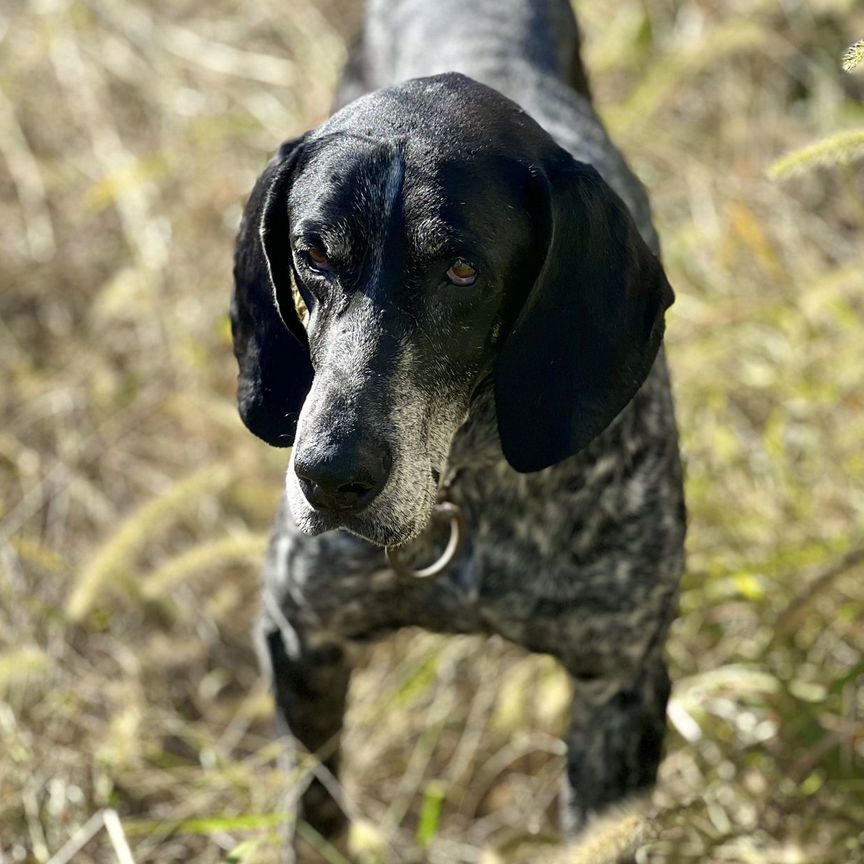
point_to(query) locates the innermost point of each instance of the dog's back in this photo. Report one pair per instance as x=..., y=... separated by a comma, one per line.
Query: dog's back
x=488, y=40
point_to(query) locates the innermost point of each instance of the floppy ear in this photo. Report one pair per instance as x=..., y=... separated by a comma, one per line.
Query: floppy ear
x=589, y=329
x=270, y=343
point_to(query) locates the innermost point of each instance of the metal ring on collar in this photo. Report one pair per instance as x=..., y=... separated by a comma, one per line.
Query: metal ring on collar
x=441, y=512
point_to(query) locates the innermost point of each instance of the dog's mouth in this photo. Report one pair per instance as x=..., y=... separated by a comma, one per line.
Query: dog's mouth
x=398, y=515
x=388, y=537
x=313, y=522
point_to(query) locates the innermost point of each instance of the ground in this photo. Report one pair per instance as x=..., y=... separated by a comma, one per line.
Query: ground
x=134, y=507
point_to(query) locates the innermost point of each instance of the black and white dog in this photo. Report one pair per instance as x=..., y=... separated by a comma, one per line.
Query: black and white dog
x=450, y=290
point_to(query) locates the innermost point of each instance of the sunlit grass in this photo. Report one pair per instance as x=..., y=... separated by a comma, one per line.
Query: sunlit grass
x=134, y=506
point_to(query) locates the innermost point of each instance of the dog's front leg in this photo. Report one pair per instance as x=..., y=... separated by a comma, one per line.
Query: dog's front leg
x=324, y=596
x=615, y=741
x=310, y=682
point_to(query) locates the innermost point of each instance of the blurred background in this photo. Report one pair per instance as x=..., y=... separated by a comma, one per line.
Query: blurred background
x=134, y=508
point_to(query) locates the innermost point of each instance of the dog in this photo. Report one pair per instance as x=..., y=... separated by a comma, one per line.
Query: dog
x=452, y=291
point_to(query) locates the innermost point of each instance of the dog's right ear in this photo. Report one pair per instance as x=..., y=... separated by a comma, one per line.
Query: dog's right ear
x=270, y=343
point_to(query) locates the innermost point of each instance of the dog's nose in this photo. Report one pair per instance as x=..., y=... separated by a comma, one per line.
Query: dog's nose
x=345, y=482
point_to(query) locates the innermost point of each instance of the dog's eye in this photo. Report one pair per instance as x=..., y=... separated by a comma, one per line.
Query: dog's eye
x=318, y=260
x=462, y=273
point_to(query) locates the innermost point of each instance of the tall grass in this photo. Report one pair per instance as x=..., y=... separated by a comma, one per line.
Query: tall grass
x=134, y=506
x=841, y=148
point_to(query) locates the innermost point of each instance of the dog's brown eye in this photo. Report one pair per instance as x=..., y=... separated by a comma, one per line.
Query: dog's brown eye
x=318, y=259
x=462, y=273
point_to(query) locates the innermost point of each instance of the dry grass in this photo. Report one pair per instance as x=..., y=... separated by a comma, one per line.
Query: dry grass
x=132, y=503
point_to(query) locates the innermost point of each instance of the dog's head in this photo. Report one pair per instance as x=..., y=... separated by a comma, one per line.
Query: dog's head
x=436, y=236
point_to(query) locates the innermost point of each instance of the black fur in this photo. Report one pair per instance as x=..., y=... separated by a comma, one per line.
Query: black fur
x=589, y=329
x=271, y=349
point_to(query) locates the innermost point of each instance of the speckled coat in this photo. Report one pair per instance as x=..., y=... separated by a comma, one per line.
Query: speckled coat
x=581, y=560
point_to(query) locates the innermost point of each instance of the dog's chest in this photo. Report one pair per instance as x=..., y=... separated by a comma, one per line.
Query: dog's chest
x=539, y=527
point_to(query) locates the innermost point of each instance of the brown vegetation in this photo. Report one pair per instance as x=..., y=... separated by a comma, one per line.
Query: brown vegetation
x=134, y=507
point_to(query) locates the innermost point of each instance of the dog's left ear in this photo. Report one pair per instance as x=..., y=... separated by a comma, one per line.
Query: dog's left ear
x=269, y=341
x=590, y=327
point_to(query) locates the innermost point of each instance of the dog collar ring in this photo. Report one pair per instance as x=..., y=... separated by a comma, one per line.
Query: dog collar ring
x=445, y=511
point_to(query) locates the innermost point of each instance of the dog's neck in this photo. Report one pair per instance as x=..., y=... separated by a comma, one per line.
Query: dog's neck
x=476, y=442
